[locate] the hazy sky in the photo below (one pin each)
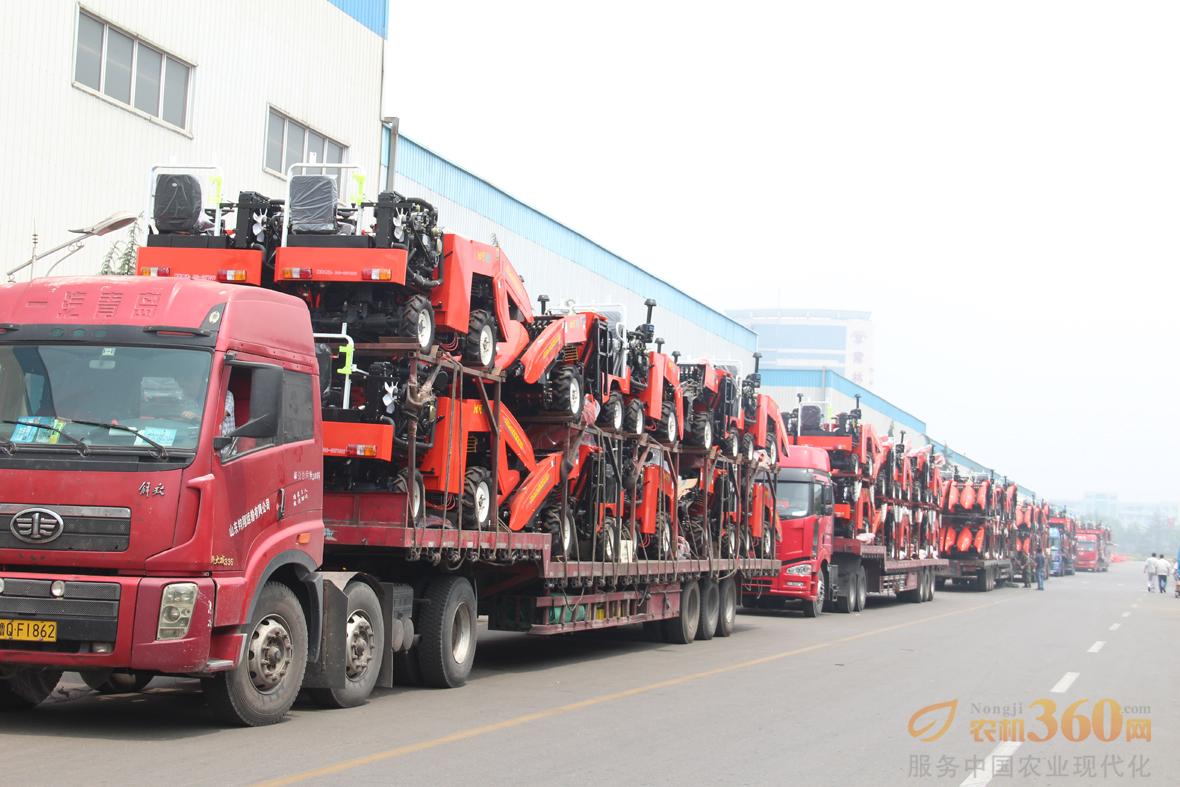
(998, 182)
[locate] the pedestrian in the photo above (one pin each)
(1164, 568)
(1149, 568)
(1040, 570)
(1025, 568)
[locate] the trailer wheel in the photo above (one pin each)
(566, 392)
(365, 646)
(702, 430)
(635, 418)
(682, 629)
(710, 609)
(416, 321)
(264, 685)
(727, 606)
(479, 345)
(447, 648)
(611, 416)
(27, 688)
(416, 491)
(815, 607)
(107, 682)
(477, 498)
(862, 589)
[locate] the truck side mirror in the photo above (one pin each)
(266, 398)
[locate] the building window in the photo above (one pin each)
(289, 142)
(131, 72)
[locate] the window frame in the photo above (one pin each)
(308, 130)
(136, 41)
(283, 437)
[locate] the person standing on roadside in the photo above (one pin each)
(1040, 563)
(1149, 568)
(1163, 569)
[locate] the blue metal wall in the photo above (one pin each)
(373, 14)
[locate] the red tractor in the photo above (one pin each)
(714, 405)
(762, 424)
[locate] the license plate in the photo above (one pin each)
(29, 630)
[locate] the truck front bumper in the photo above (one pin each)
(782, 586)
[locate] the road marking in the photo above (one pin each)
(1126, 614)
(561, 710)
(984, 775)
(1066, 681)
(1097, 646)
(1115, 626)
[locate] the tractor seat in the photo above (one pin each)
(176, 206)
(313, 205)
(811, 419)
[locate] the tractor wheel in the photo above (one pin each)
(728, 543)
(27, 688)
(447, 646)
(727, 614)
(561, 529)
(606, 548)
(682, 629)
(565, 392)
(364, 644)
(416, 321)
(415, 491)
(710, 609)
(635, 420)
(702, 430)
(479, 346)
(611, 416)
(747, 450)
(263, 686)
(668, 429)
(772, 450)
(477, 498)
(729, 445)
(814, 608)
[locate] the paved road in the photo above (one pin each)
(786, 700)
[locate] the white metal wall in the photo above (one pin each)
(72, 158)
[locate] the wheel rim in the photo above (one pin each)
(772, 453)
(270, 655)
(638, 421)
(424, 330)
(487, 345)
(482, 502)
(362, 644)
(575, 392)
(616, 418)
(707, 436)
(415, 498)
(461, 634)
(665, 540)
(671, 427)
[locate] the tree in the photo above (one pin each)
(120, 257)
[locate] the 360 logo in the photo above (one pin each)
(931, 723)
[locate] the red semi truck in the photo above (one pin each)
(1062, 544)
(198, 483)
(1093, 548)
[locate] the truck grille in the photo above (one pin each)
(86, 612)
(83, 528)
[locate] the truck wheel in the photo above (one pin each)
(635, 417)
(262, 688)
(727, 606)
(27, 688)
(479, 346)
(416, 322)
(416, 491)
(815, 607)
(566, 392)
(702, 430)
(364, 647)
(611, 416)
(862, 589)
(447, 647)
(107, 682)
(710, 609)
(682, 629)
(846, 602)
(477, 498)
(930, 586)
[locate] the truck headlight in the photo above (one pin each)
(799, 570)
(176, 610)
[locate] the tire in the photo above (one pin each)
(661, 546)
(862, 589)
(668, 429)
(931, 587)
(772, 450)
(846, 603)
(560, 529)
(710, 609)
(917, 595)
(814, 608)
(566, 392)
(479, 345)
(477, 498)
(447, 648)
(416, 321)
(612, 413)
(401, 485)
(702, 431)
(106, 682)
(604, 548)
(747, 447)
(728, 542)
(365, 647)
(766, 543)
(682, 629)
(727, 607)
(248, 697)
(729, 445)
(635, 421)
(27, 688)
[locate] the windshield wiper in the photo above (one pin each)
(161, 451)
(83, 449)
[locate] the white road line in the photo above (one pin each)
(1126, 614)
(1115, 626)
(985, 774)
(1097, 646)
(1066, 681)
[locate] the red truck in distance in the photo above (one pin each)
(1093, 548)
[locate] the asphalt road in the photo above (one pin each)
(785, 700)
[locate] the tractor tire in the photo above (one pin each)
(747, 447)
(611, 416)
(710, 609)
(605, 547)
(365, 647)
(815, 607)
(567, 392)
(682, 629)
(702, 431)
(447, 648)
(477, 498)
(416, 492)
(479, 345)
(772, 450)
(560, 529)
(635, 421)
(727, 606)
(668, 430)
(263, 686)
(729, 445)
(660, 547)
(416, 321)
(107, 682)
(27, 688)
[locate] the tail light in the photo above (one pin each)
(295, 273)
(361, 450)
(377, 274)
(155, 271)
(231, 275)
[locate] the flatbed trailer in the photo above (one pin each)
(978, 573)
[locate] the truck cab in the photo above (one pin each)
(1092, 550)
(159, 467)
(804, 498)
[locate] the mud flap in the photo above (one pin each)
(327, 672)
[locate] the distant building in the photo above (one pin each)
(1107, 507)
(835, 339)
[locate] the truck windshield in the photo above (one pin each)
(1087, 539)
(49, 389)
(794, 499)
